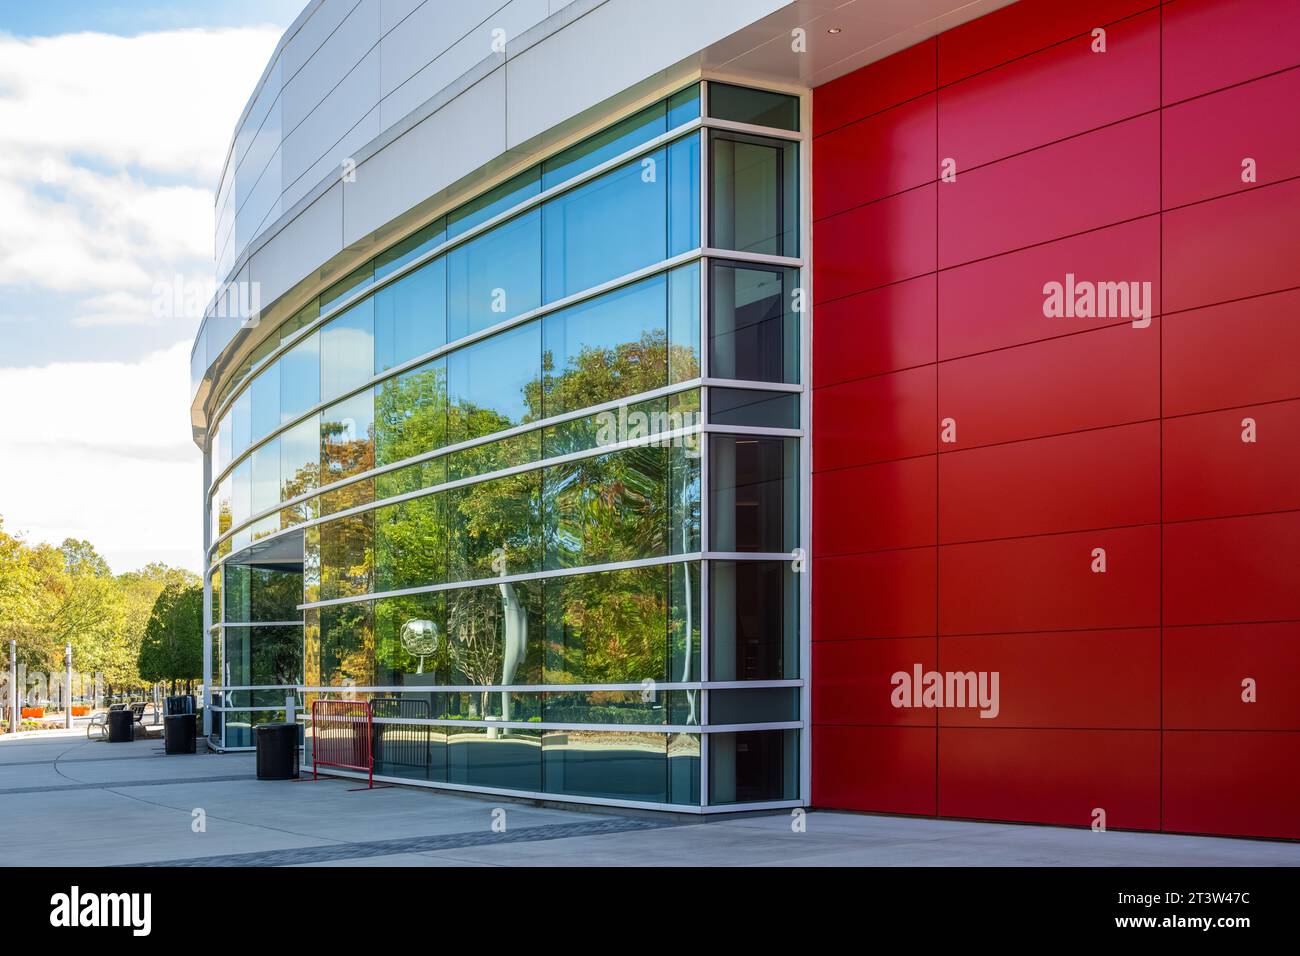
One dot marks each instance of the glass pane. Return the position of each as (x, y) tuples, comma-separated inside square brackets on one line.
[(241, 423), (606, 348), (607, 508), (754, 620), (358, 279), (495, 276), (684, 106), (237, 593), (604, 146), (300, 378), (755, 107), (347, 350), (241, 493), (410, 544), (753, 328), (753, 194), (754, 705), (494, 456), (411, 248), (352, 495), (684, 195), (347, 556), (509, 759), (494, 202), (347, 644), (592, 763), (265, 392), (684, 495), (223, 448), (495, 527), (300, 458), (494, 384), (754, 765), (684, 323), (266, 476), (753, 493), (411, 646), (735, 406), (347, 445), (222, 505), (494, 637), (411, 413), (585, 232), (304, 317), (422, 474), (411, 316), (608, 628), (687, 613)]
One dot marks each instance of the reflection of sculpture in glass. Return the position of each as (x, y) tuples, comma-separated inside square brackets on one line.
[(420, 639), (514, 632)]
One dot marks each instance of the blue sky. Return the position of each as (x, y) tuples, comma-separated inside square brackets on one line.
[(115, 118), (29, 18)]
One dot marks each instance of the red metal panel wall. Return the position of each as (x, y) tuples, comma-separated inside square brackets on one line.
[(1121, 690)]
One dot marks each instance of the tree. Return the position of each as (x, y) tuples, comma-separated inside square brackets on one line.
[(171, 650)]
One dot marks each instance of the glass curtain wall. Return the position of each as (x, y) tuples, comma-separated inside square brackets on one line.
[(533, 524)]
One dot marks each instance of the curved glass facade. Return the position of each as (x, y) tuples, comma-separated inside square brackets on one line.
[(528, 480)]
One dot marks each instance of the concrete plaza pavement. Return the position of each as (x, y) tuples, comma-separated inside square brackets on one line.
[(66, 801)]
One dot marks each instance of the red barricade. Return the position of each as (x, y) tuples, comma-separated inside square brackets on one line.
[(341, 735)]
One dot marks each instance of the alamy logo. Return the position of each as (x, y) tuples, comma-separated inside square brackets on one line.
[(950, 689), (1073, 299), (103, 909)]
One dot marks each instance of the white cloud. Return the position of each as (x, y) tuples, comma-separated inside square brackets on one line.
[(110, 150), (102, 450)]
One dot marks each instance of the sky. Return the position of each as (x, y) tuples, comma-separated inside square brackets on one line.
[(115, 119)]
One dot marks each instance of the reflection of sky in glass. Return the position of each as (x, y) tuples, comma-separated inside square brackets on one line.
[(603, 324), (493, 374)]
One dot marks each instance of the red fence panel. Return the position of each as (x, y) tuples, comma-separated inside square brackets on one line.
[(341, 736)]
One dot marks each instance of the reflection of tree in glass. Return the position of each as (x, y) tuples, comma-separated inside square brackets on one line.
[(607, 508)]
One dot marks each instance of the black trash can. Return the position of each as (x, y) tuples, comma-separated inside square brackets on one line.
[(180, 704), (178, 734), (121, 726), (277, 751)]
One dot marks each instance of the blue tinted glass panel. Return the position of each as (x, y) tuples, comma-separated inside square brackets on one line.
[(223, 446), (347, 438), (266, 476), (411, 316), (494, 202), (347, 350), (606, 348), (684, 106), (300, 378), (684, 323), (266, 401), (684, 195), (241, 423), (494, 384), (611, 226), (300, 458), (241, 492), (411, 248), (344, 287), (605, 145), (495, 276)]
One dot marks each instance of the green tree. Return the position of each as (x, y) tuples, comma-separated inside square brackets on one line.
[(171, 648)]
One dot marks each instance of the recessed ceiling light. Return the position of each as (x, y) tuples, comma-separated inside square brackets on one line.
[(834, 30)]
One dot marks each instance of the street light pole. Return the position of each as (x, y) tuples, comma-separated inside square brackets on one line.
[(13, 687), (67, 693)]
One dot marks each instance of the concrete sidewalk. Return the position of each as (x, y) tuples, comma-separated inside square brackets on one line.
[(68, 802)]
